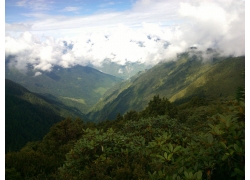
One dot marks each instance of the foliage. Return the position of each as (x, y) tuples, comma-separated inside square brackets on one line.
[(42, 158), (162, 148), (150, 144), (159, 106)]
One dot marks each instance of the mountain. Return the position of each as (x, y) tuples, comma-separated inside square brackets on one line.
[(125, 71), (189, 76), (78, 86), (29, 116)]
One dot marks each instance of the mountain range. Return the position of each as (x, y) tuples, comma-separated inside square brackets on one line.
[(189, 76), (34, 103), (80, 86)]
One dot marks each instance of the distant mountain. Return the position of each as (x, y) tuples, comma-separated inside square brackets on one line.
[(190, 75), (78, 86), (125, 71), (29, 116)]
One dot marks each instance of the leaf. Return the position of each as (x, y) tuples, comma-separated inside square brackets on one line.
[(199, 175), (210, 138), (224, 157), (190, 175), (181, 170), (223, 145), (237, 148), (166, 155), (177, 148), (186, 174), (239, 171), (159, 156), (170, 147), (211, 126), (170, 156), (174, 176)]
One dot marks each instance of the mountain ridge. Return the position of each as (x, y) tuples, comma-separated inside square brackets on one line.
[(29, 116), (179, 80), (79, 87)]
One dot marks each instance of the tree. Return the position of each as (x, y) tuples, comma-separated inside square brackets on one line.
[(160, 106)]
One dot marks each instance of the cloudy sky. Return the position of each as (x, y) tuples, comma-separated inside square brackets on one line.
[(45, 33)]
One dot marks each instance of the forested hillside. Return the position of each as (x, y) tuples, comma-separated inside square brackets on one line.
[(197, 133), (190, 75), (198, 140), (28, 116), (79, 87)]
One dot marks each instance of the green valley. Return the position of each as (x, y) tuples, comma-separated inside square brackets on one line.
[(79, 87), (183, 119)]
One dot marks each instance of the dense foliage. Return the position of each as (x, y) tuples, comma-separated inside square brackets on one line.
[(198, 140)]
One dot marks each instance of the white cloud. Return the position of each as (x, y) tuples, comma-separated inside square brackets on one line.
[(147, 34), (38, 73), (17, 27), (217, 24), (37, 5), (71, 9)]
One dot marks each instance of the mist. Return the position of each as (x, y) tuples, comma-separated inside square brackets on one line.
[(150, 32)]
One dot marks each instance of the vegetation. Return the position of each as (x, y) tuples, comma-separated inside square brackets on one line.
[(151, 144), (84, 84), (199, 136), (179, 81), (28, 116)]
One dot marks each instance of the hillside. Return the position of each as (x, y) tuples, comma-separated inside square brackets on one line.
[(79, 87), (125, 71), (156, 143), (29, 116), (190, 75)]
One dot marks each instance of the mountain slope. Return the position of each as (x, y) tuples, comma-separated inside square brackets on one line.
[(178, 80), (79, 86), (28, 116), (125, 71)]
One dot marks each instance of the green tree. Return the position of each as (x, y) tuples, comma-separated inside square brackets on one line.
[(160, 106)]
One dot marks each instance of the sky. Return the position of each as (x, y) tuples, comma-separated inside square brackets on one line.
[(45, 33)]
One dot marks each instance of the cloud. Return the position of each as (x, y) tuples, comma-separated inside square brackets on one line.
[(152, 31), (215, 24), (38, 73), (17, 27), (37, 5), (71, 9)]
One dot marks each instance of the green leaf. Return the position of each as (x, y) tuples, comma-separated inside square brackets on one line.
[(181, 170), (170, 156), (237, 148), (190, 175), (223, 145), (210, 138), (161, 157), (165, 155), (186, 174), (170, 147), (224, 157), (199, 175), (177, 148), (239, 171)]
